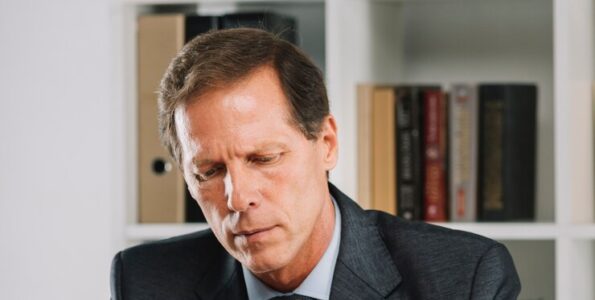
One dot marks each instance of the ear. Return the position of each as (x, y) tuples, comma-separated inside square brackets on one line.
[(329, 142)]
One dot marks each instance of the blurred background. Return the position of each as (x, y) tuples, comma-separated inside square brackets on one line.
[(71, 171)]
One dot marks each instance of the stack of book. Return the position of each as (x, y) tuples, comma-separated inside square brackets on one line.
[(463, 154)]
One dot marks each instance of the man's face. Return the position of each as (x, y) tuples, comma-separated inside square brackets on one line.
[(260, 183)]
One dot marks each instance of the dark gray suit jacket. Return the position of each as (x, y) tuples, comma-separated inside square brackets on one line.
[(380, 257)]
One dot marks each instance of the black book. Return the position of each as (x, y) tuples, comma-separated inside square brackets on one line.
[(409, 123), (196, 25), (507, 152)]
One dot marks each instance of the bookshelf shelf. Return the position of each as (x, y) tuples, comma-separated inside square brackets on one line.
[(509, 231), (150, 232), (527, 231)]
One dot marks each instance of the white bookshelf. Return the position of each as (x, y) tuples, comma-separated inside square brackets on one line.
[(548, 42), (151, 232)]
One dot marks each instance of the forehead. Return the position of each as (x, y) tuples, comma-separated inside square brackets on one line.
[(248, 112)]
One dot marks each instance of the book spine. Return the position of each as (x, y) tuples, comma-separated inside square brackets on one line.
[(490, 173), (463, 153), (408, 166), (383, 159), (160, 185), (506, 173), (434, 156)]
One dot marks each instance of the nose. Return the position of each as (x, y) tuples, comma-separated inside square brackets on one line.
[(241, 192)]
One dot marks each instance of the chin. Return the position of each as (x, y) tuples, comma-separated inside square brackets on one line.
[(266, 261)]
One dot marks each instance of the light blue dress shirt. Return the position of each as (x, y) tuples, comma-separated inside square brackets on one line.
[(318, 283)]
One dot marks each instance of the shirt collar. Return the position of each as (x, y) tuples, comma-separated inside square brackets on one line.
[(318, 283)]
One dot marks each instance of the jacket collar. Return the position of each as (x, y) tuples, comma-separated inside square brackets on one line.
[(364, 267)]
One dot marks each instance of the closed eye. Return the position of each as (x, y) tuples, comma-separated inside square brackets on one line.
[(210, 173), (265, 159)]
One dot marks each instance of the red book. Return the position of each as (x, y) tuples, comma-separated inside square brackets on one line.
[(434, 156)]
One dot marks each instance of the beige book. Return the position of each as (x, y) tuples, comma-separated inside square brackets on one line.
[(376, 148), (384, 153), (463, 153), (161, 185)]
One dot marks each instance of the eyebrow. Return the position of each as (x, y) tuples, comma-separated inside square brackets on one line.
[(260, 147)]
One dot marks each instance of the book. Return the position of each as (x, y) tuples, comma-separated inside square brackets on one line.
[(384, 165), (376, 148), (409, 113), (434, 154), (463, 152), (160, 184), (507, 152)]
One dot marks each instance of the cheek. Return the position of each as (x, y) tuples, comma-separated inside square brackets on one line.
[(280, 184), (210, 196), (304, 168), (212, 202), (295, 183)]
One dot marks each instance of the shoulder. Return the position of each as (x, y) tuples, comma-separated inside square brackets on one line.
[(448, 258), (179, 248), (434, 262), (410, 234), (173, 264)]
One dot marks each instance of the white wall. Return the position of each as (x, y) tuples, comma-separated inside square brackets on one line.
[(56, 144)]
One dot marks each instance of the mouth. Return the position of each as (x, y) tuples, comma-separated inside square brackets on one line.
[(254, 234)]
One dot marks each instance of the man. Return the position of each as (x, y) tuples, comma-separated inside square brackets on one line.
[(246, 116)]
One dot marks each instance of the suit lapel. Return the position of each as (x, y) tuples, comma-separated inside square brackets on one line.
[(364, 269), (223, 279)]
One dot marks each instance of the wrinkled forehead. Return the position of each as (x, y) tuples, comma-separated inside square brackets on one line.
[(239, 121)]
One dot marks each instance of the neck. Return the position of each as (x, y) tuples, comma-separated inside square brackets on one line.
[(291, 276)]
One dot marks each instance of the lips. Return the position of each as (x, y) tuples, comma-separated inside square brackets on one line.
[(253, 231), (254, 234)]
